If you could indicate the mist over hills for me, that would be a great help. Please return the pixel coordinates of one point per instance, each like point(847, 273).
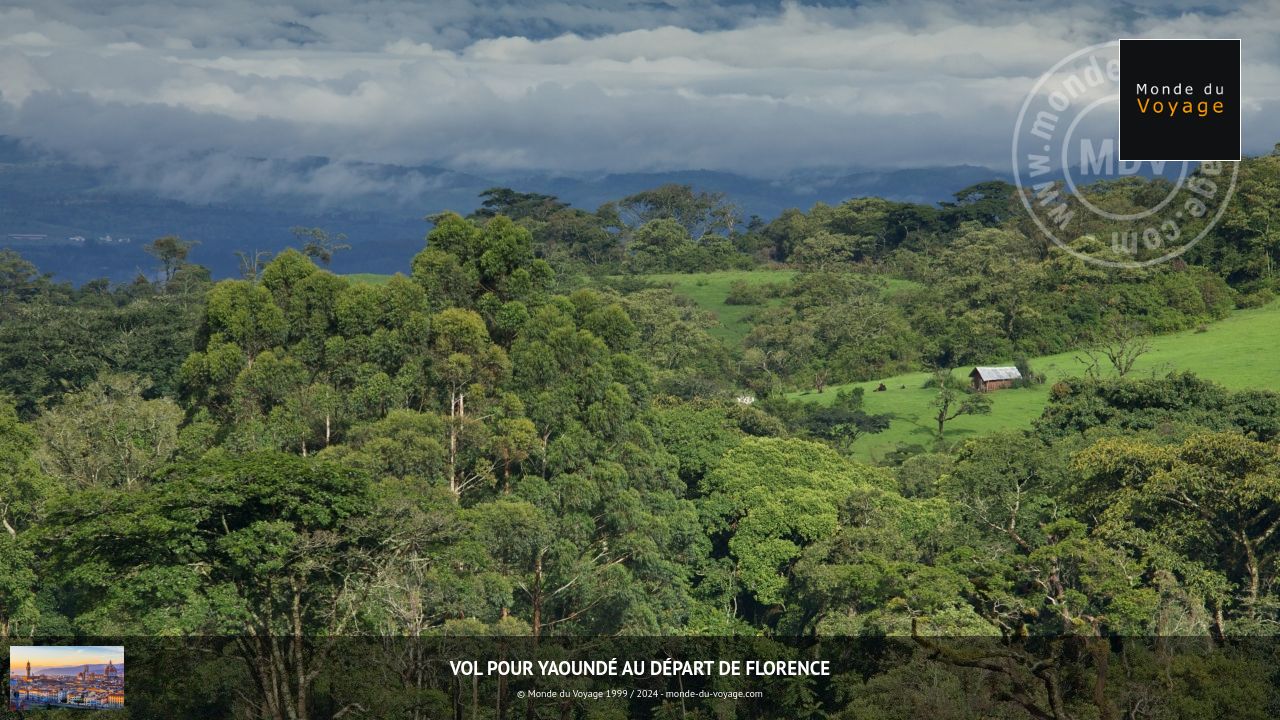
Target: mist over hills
point(84, 221)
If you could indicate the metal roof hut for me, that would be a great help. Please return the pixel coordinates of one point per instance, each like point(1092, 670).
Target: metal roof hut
point(986, 379)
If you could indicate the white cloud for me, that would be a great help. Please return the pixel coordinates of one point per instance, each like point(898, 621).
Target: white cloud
point(760, 89)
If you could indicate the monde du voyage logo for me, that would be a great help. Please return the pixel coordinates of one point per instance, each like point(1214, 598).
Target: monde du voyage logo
point(1165, 110)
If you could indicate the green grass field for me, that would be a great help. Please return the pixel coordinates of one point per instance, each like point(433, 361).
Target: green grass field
point(709, 290)
point(369, 278)
point(1238, 352)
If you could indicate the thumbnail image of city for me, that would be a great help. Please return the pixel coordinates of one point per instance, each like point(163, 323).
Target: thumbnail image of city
point(66, 676)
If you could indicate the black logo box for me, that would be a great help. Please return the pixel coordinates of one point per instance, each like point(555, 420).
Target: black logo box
point(1185, 64)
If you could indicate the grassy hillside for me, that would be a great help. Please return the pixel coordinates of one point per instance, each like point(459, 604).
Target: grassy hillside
point(709, 290)
point(1238, 352)
point(370, 278)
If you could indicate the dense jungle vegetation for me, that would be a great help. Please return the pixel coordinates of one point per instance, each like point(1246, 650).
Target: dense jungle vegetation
point(529, 433)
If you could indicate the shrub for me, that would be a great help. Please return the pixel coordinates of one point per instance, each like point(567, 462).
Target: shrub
point(1255, 299)
point(743, 293)
point(1030, 378)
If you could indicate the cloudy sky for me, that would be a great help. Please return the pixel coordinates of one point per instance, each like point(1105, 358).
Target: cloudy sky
point(760, 88)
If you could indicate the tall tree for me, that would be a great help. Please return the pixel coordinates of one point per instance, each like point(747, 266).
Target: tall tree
point(318, 244)
point(769, 498)
point(698, 212)
point(517, 205)
point(171, 251)
point(268, 548)
point(22, 487)
point(1212, 502)
point(109, 435)
point(467, 365)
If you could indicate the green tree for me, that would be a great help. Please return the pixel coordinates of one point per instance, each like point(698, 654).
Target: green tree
point(22, 486)
point(109, 435)
point(1211, 503)
point(318, 244)
point(19, 279)
point(53, 344)
point(246, 314)
point(171, 251)
point(825, 251)
point(24, 490)
point(466, 363)
point(769, 498)
point(268, 548)
point(1122, 342)
point(879, 573)
point(951, 401)
point(844, 421)
point(19, 612)
point(1038, 576)
point(579, 235)
point(517, 205)
point(1245, 244)
point(987, 202)
point(697, 212)
point(1174, 401)
point(655, 244)
point(673, 335)
point(468, 266)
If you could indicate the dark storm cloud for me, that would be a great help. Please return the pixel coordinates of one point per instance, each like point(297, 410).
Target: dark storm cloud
point(751, 87)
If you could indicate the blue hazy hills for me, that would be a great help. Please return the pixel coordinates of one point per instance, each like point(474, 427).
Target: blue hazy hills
point(81, 221)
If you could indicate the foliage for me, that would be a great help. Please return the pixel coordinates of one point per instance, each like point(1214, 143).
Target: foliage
point(1159, 403)
point(58, 339)
point(498, 445)
point(109, 435)
point(171, 251)
point(318, 244)
point(769, 498)
point(951, 402)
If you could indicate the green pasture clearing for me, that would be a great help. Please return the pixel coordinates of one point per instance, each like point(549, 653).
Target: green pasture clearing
point(369, 278)
point(709, 290)
point(1242, 351)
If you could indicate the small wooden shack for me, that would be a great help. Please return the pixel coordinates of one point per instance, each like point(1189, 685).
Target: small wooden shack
point(986, 379)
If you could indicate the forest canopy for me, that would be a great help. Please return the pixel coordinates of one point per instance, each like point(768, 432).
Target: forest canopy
point(527, 434)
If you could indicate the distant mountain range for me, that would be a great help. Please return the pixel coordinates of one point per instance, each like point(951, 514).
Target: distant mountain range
point(75, 669)
point(82, 221)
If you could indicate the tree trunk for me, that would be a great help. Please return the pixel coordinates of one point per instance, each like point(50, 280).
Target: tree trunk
point(1251, 567)
point(300, 666)
point(457, 413)
point(536, 595)
point(457, 698)
point(1100, 648)
point(503, 708)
